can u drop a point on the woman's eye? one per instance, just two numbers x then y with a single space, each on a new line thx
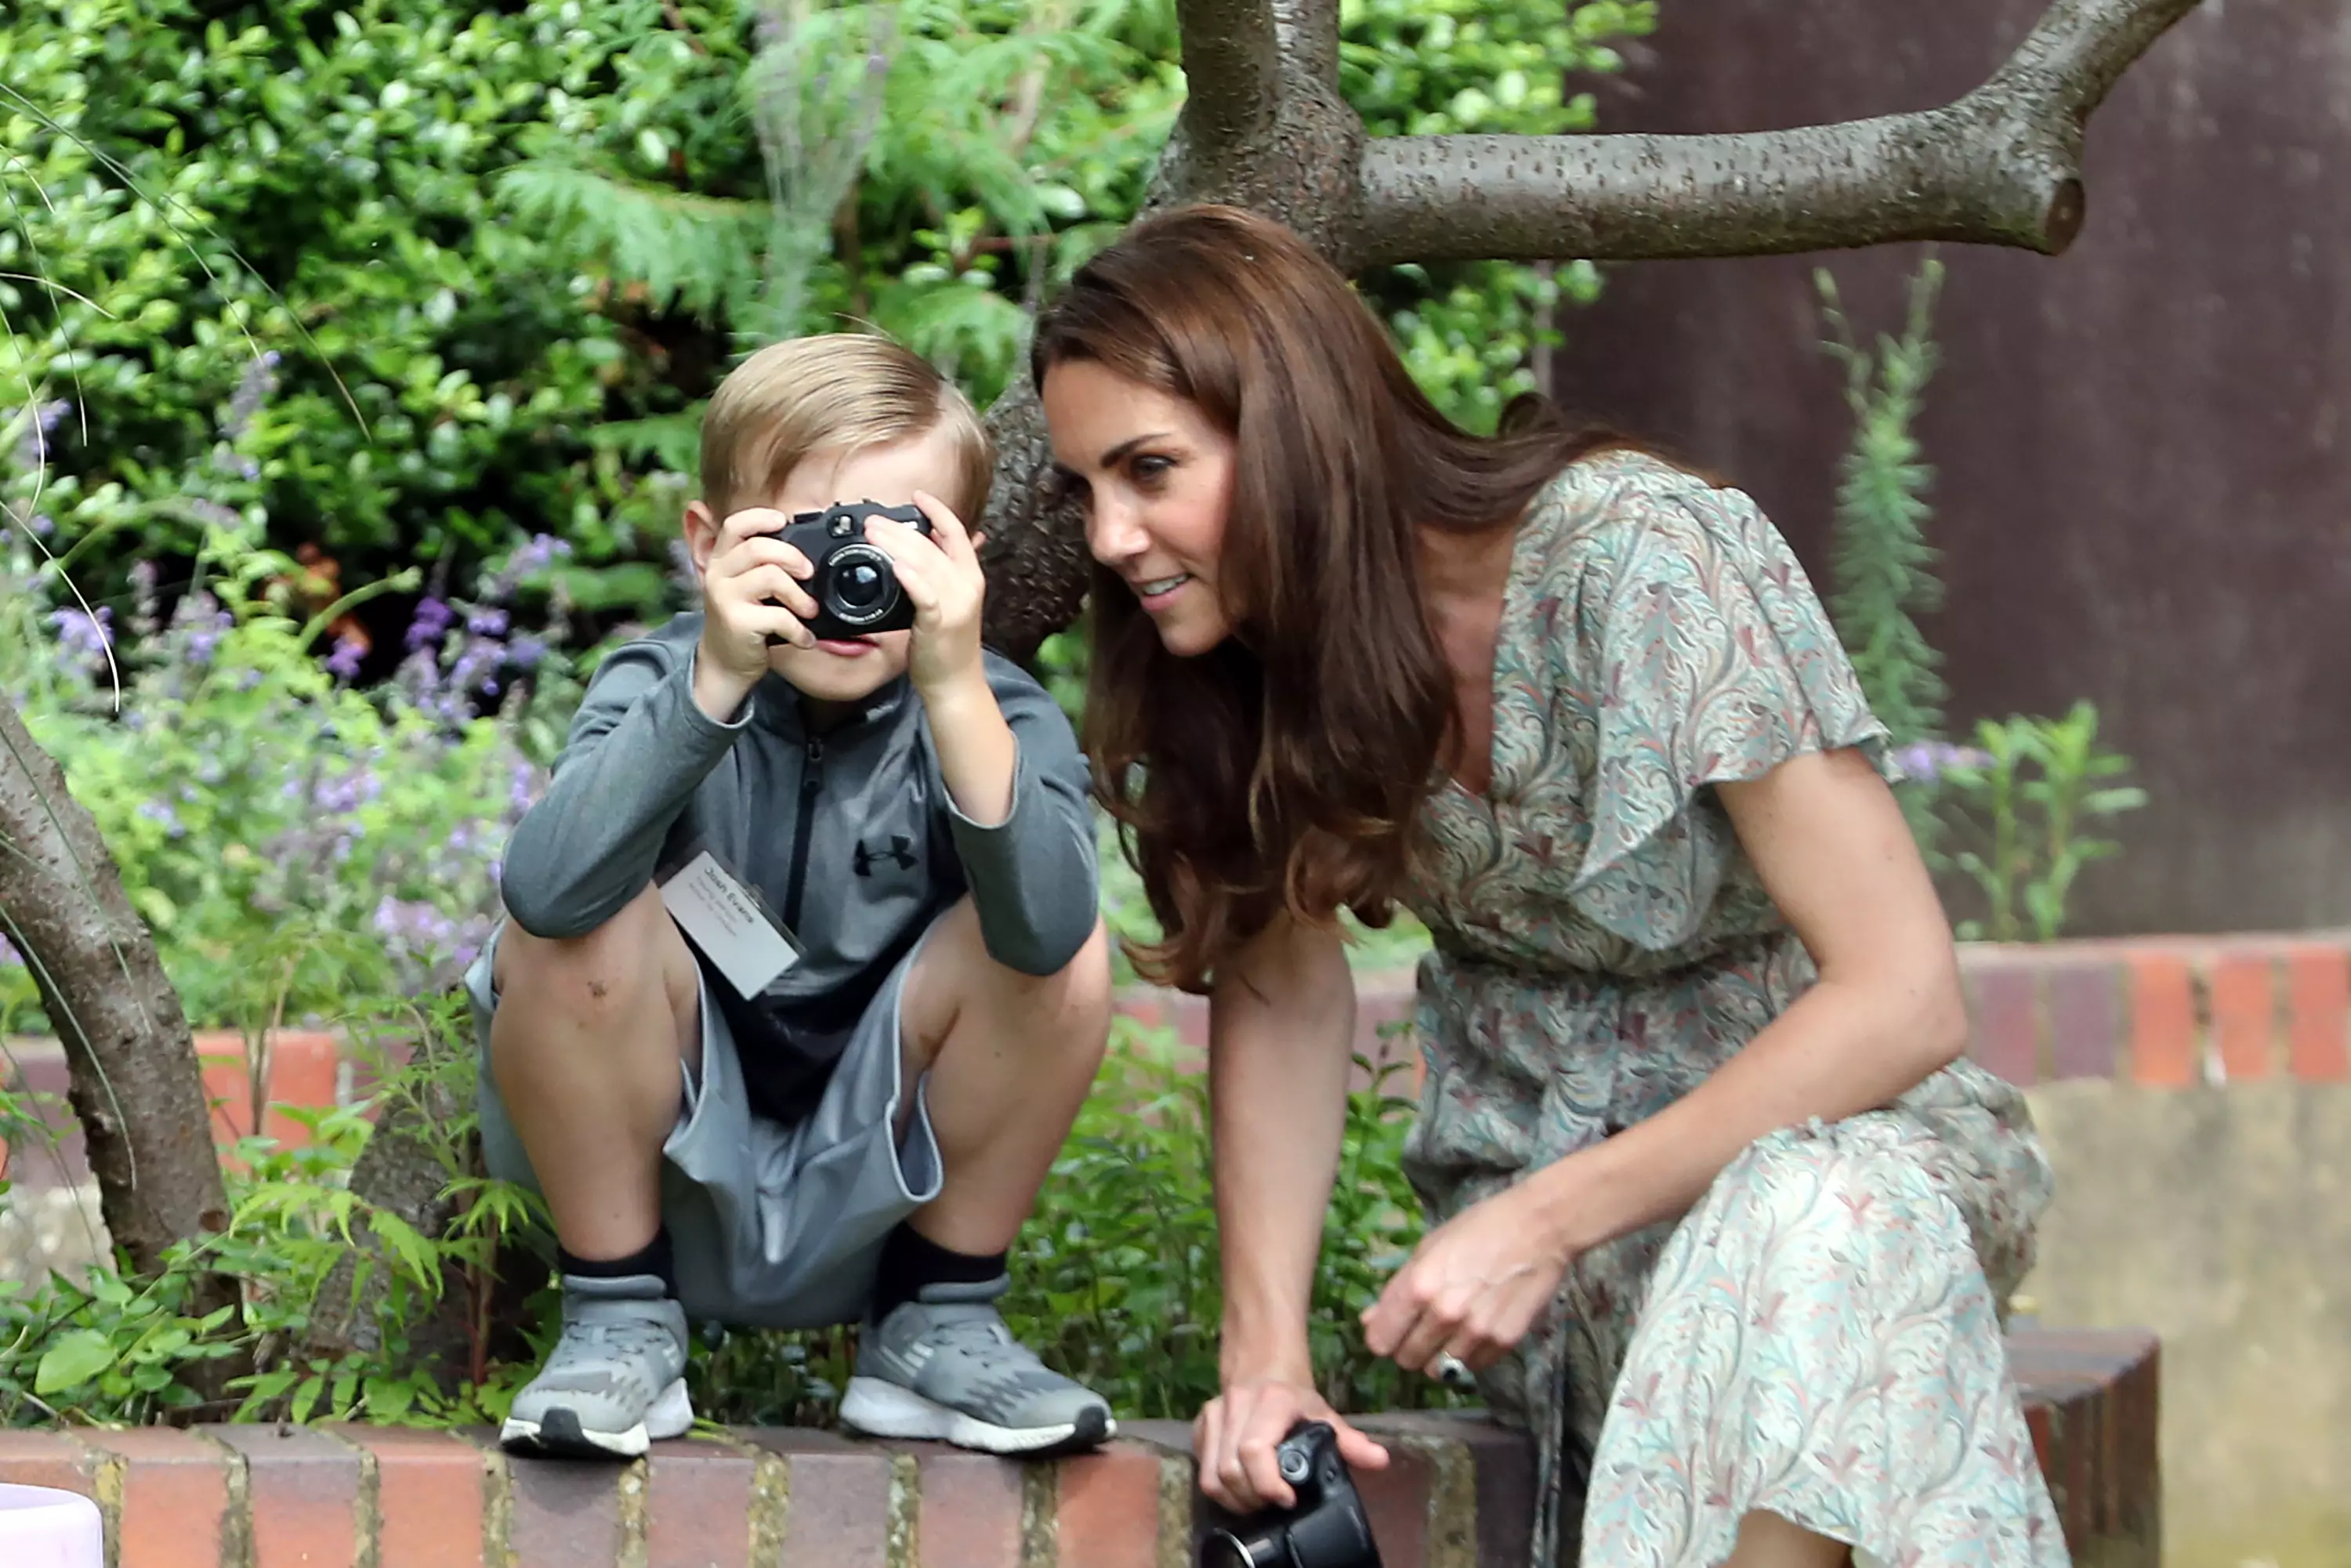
1151 470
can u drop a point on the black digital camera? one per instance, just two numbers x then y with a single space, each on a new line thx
855 586
1326 1528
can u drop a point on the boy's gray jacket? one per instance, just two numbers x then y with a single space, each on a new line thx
849 834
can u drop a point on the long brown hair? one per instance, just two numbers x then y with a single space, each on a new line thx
1284 770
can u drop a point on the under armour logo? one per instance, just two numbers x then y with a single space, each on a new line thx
901 851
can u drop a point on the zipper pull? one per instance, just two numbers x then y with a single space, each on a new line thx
811 775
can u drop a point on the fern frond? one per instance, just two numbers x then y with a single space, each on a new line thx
701 253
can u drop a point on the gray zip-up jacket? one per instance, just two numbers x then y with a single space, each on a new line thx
847 834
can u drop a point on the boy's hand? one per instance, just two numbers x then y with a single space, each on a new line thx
941 578
748 566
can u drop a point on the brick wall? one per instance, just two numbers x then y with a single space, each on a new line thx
1456 1497
2163 1012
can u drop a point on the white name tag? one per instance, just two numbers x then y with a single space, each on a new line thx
713 908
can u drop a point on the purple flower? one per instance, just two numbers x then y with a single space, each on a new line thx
343 663
432 618
81 635
487 623
32 446
253 389
525 652
157 811
1928 760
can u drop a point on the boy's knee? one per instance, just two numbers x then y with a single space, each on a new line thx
1078 992
603 973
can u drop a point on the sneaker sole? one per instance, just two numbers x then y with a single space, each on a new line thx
880 1409
560 1434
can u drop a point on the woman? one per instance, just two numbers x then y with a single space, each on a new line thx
1718 1211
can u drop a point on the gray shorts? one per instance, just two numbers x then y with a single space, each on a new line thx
773 1225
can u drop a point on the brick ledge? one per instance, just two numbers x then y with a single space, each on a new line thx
1457 1497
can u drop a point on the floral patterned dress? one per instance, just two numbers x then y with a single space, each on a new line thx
1821 1335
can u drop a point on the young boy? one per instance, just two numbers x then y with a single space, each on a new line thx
854 1121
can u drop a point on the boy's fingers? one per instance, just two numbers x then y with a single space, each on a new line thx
749 523
763 583
953 537
778 625
761 549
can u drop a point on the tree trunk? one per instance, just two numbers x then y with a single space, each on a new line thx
400 1173
134 1081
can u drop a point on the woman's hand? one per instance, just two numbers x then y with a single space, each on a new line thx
1238 1431
1475 1285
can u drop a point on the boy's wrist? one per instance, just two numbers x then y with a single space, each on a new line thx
959 692
718 691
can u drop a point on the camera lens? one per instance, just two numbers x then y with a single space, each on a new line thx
1223 1549
860 585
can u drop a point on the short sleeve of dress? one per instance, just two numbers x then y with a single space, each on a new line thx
1707 656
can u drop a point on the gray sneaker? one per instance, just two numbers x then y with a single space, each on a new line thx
615 1380
944 1367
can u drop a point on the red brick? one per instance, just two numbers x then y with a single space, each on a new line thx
302 1493
1397 1498
969 1513
1107 1514
2086 1017
47 1458
2163 1020
174 1507
2004 1011
837 1509
565 1514
429 1495
2244 1014
302 1068
698 1498
2318 993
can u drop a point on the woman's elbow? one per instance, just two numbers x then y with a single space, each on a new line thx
1938 1019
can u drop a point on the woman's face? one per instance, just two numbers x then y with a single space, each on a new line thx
1157 480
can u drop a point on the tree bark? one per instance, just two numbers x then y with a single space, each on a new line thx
134 1080
400 1173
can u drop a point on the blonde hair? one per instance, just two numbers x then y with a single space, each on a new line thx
836 391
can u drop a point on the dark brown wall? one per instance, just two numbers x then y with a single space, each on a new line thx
2144 446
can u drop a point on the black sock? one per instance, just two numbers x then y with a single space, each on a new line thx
653 1258
911 1260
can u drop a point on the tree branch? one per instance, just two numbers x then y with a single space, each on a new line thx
1307 35
2002 166
1232 72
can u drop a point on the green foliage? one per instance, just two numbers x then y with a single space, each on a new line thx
1885 567
108 1349
196 185
503 254
2022 803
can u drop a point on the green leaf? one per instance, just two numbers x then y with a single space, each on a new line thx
73 1358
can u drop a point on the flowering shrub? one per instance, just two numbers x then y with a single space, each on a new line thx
295 843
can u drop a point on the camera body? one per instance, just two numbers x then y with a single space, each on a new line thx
1326 1528
854 585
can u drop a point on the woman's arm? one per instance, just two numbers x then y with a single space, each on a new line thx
1281 1026
1833 852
